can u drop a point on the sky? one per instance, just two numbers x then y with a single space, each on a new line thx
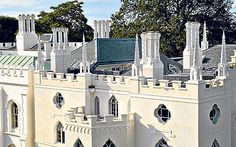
93 9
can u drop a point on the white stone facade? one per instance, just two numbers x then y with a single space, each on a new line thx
53 109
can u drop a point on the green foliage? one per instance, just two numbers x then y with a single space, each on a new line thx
8 27
169 18
68 14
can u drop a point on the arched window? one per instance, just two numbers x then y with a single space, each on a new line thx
162 143
14 115
113 106
215 144
60 133
97 106
109 143
78 143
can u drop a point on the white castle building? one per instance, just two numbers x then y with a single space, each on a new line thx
41 105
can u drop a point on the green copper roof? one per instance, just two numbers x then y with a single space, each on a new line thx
47 66
13 60
115 49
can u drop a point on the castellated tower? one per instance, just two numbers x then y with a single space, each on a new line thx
61 54
152 66
26 37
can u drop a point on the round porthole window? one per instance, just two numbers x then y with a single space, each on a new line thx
214 114
58 100
162 113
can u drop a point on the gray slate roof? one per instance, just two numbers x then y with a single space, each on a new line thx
90 50
212 55
46 38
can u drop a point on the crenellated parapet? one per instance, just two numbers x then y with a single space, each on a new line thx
77 121
7 44
75 44
189 89
80 81
13 74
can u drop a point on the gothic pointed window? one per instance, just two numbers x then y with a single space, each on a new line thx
162 113
14 115
214 114
60 133
78 143
162 143
215 144
11 145
113 106
97 106
109 143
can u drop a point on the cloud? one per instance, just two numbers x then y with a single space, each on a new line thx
13 3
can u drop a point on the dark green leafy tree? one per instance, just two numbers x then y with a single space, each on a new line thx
169 18
8 28
68 14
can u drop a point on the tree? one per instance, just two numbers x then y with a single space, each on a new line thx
169 18
8 28
68 14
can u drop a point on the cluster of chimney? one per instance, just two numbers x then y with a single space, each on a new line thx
60 38
26 23
101 29
150 65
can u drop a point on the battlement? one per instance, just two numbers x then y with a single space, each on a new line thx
75 44
76 116
123 83
193 89
7 44
12 74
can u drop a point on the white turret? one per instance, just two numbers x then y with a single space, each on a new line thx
204 43
196 68
223 65
136 65
26 37
61 53
84 64
40 61
152 66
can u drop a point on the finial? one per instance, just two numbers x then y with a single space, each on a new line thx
223 50
223 36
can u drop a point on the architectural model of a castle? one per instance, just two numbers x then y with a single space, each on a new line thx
52 94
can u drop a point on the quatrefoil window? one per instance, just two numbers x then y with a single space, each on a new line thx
162 113
58 100
214 114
